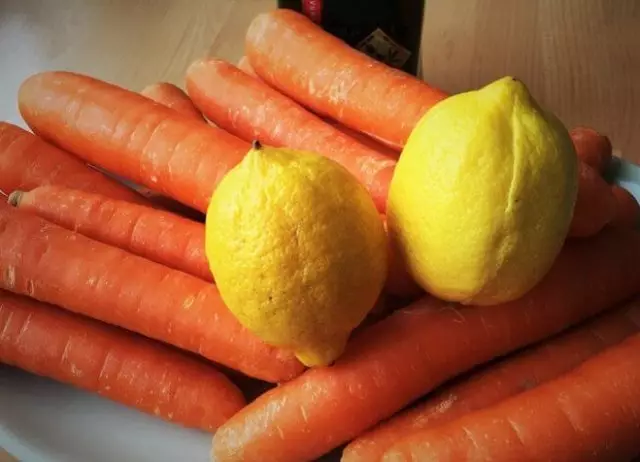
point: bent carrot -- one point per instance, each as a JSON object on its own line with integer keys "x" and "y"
{"x": 173, "y": 97}
{"x": 395, "y": 361}
{"x": 27, "y": 162}
{"x": 595, "y": 204}
{"x": 496, "y": 382}
{"x": 250, "y": 109}
{"x": 116, "y": 364}
{"x": 130, "y": 135}
{"x": 58, "y": 266}
{"x": 592, "y": 148}
{"x": 157, "y": 235}
{"x": 627, "y": 210}
{"x": 589, "y": 414}
{"x": 297, "y": 57}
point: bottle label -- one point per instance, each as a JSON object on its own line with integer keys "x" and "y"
{"x": 380, "y": 46}
{"x": 313, "y": 10}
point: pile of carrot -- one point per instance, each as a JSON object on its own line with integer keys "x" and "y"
{"x": 115, "y": 363}
{"x": 494, "y": 383}
{"x": 58, "y": 266}
{"x": 109, "y": 291}
{"x": 559, "y": 420}
{"x": 130, "y": 135}
{"x": 405, "y": 356}
{"x": 26, "y": 162}
{"x": 157, "y": 235}
{"x": 251, "y": 110}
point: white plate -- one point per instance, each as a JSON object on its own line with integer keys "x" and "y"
{"x": 44, "y": 421}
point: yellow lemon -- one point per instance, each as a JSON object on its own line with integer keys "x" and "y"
{"x": 297, "y": 249}
{"x": 483, "y": 194}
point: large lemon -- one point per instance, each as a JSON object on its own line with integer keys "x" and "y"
{"x": 297, "y": 249}
{"x": 483, "y": 195}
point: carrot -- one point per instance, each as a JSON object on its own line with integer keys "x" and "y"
{"x": 297, "y": 57}
{"x": 592, "y": 148}
{"x": 365, "y": 139}
{"x": 58, "y": 266}
{"x": 157, "y": 235}
{"x": 399, "y": 282}
{"x": 395, "y": 361}
{"x": 590, "y": 414}
{"x": 391, "y": 151}
{"x": 496, "y": 382}
{"x": 245, "y": 66}
{"x": 116, "y": 364}
{"x": 27, "y": 162}
{"x": 627, "y": 210}
{"x": 130, "y": 135}
{"x": 595, "y": 204}
{"x": 174, "y": 98}
{"x": 250, "y": 109}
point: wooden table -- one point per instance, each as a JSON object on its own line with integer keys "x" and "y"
{"x": 580, "y": 57}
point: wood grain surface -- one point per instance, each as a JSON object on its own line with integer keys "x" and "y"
{"x": 581, "y": 58}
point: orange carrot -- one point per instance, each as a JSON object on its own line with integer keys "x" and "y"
{"x": 589, "y": 414}
{"x": 174, "y": 98}
{"x": 627, "y": 213}
{"x": 399, "y": 282}
{"x": 592, "y": 148}
{"x": 27, "y": 162}
{"x": 116, "y": 364}
{"x": 245, "y": 66}
{"x": 250, "y": 109}
{"x": 130, "y": 135}
{"x": 595, "y": 205}
{"x": 496, "y": 382}
{"x": 395, "y": 361}
{"x": 296, "y": 56}
{"x": 365, "y": 139}
{"x": 58, "y": 266}
{"x": 160, "y": 236}
{"x": 391, "y": 151}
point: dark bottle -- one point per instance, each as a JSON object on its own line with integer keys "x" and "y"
{"x": 387, "y": 30}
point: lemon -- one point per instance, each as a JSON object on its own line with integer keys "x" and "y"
{"x": 297, "y": 249}
{"x": 483, "y": 195}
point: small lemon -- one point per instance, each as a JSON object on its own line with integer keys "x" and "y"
{"x": 483, "y": 195}
{"x": 297, "y": 249}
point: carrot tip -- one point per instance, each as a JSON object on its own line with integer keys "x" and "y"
{"x": 14, "y": 198}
